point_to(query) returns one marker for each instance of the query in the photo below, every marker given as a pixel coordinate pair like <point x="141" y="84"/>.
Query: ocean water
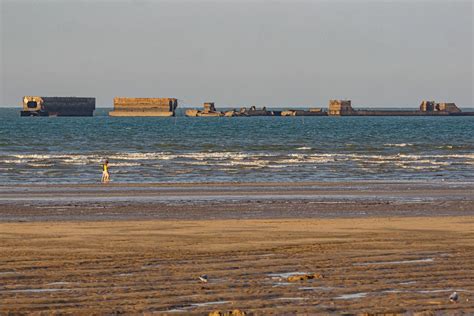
<point x="180" y="149"/>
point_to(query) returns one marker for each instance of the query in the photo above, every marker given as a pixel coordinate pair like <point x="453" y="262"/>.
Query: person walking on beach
<point x="105" y="172"/>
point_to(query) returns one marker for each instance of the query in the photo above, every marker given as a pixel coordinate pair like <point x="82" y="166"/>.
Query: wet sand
<point x="398" y="250"/>
<point x="234" y="201"/>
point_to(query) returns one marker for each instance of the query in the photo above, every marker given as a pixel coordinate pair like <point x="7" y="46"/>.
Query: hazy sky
<point x="236" y="53"/>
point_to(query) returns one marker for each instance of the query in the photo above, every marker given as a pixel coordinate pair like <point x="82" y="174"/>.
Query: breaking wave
<point x="399" y="145"/>
<point x="250" y="149"/>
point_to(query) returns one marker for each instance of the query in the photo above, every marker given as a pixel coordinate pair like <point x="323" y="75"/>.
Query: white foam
<point x="124" y="164"/>
<point x="31" y="164"/>
<point x="399" y="145"/>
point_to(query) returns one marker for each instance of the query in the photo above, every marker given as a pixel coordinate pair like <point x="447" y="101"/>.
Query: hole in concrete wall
<point x="32" y="104"/>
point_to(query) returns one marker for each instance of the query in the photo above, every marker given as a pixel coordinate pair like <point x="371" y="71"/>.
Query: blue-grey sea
<point x="242" y="149"/>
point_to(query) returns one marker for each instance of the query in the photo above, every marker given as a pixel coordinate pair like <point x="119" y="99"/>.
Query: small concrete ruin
<point x="427" y="106"/>
<point x="144" y="107"/>
<point x="209" y="107"/>
<point x="57" y="106"/>
<point x="310" y="112"/>
<point x="253" y="111"/>
<point x="432" y="106"/>
<point x="340" y="107"/>
<point x="209" y="110"/>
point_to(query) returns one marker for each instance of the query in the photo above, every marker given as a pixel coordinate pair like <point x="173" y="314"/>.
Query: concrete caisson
<point x="144" y="107"/>
<point x="57" y="106"/>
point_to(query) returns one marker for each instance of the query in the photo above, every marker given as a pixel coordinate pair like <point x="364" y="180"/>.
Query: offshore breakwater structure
<point x="209" y="110"/>
<point x="427" y="108"/>
<point x="166" y="107"/>
<point x="335" y="108"/>
<point x="57" y="106"/>
<point x="144" y="107"/>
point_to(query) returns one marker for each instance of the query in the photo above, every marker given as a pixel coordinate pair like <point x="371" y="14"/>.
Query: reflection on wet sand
<point x="375" y="265"/>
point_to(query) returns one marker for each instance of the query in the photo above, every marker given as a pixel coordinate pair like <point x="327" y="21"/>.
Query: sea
<point x="57" y="150"/>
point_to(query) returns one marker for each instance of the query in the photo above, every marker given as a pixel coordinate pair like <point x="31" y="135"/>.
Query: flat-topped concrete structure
<point x="340" y="107"/>
<point x="432" y="106"/>
<point x="310" y="112"/>
<point x="57" y="106"/>
<point x="209" y="110"/>
<point x="427" y="108"/>
<point x="144" y="107"/>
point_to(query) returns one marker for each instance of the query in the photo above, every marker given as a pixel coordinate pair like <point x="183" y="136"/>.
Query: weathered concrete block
<point x="340" y="107"/>
<point x="57" y="106"/>
<point x="144" y="107"/>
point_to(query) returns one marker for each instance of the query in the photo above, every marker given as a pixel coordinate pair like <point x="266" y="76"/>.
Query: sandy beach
<point x="236" y="158"/>
<point x="378" y="247"/>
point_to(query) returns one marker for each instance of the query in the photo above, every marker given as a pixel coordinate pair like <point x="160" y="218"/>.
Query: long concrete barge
<point x="57" y="106"/>
<point x="144" y="107"/>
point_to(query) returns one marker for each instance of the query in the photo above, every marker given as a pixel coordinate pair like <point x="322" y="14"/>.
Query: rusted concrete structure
<point x="371" y="112"/>
<point x="427" y="108"/>
<point x="432" y="106"/>
<point x="448" y="107"/>
<point x="209" y="107"/>
<point x="57" y="106"/>
<point x="230" y="113"/>
<point x="144" y="107"/>
<point x="340" y="107"/>
<point x="310" y="112"/>
<point x="191" y="112"/>
<point x="253" y="111"/>
<point x="209" y="110"/>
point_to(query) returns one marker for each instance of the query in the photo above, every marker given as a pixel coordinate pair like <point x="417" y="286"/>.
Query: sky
<point x="239" y="53"/>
